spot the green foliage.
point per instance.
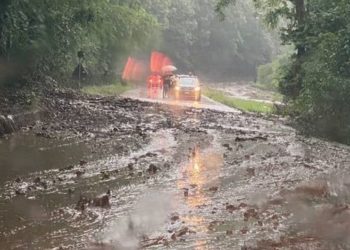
(198, 41)
(266, 76)
(43, 36)
(316, 81)
(271, 74)
(241, 104)
(324, 102)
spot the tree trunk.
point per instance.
(300, 12)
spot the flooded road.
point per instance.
(205, 103)
(25, 153)
(130, 174)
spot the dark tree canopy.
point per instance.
(316, 81)
(199, 41)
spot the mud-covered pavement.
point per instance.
(158, 176)
(156, 97)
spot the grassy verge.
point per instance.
(277, 97)
(106, 90)
(241, 104)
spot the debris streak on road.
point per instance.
(154, 175)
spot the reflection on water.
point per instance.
(199, 174)
(155, 93)
(196, 105)
(200, 245)
(188, 103)
(21, 154)
(25, 220)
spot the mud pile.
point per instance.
(165, 176)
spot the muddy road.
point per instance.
(110, 173)
(156, 97)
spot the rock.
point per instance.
(37, 180)
(251, 171)
(7, 125)
(18, 180)
(166, 243)
(102, 201)
(242, 205)
(175, 217)
(274, 217)
(70, 167)
(149, 154)
(19, 192)
(229, 232)
(79, 173)
(186, 192)
(82, 203)
(82, 163)
(227, 146)
(152, 169)
(104, 175)
(30, 188)
(43, 184)
(131, 166)
(250, 213)
(253, 138)
(213, 225)
(231, 208)
(182, 232)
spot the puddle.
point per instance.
(22, 154)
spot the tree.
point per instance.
(197, 41)
(317, 80)
(42, 37)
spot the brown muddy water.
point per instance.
(25, 153)
(25, 157)
(175, 178)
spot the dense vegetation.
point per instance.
(43, 37)
(316, 81)
(269, 75)
(197, 40)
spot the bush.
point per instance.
(324, 105)
(269, 75)
(43, 37)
